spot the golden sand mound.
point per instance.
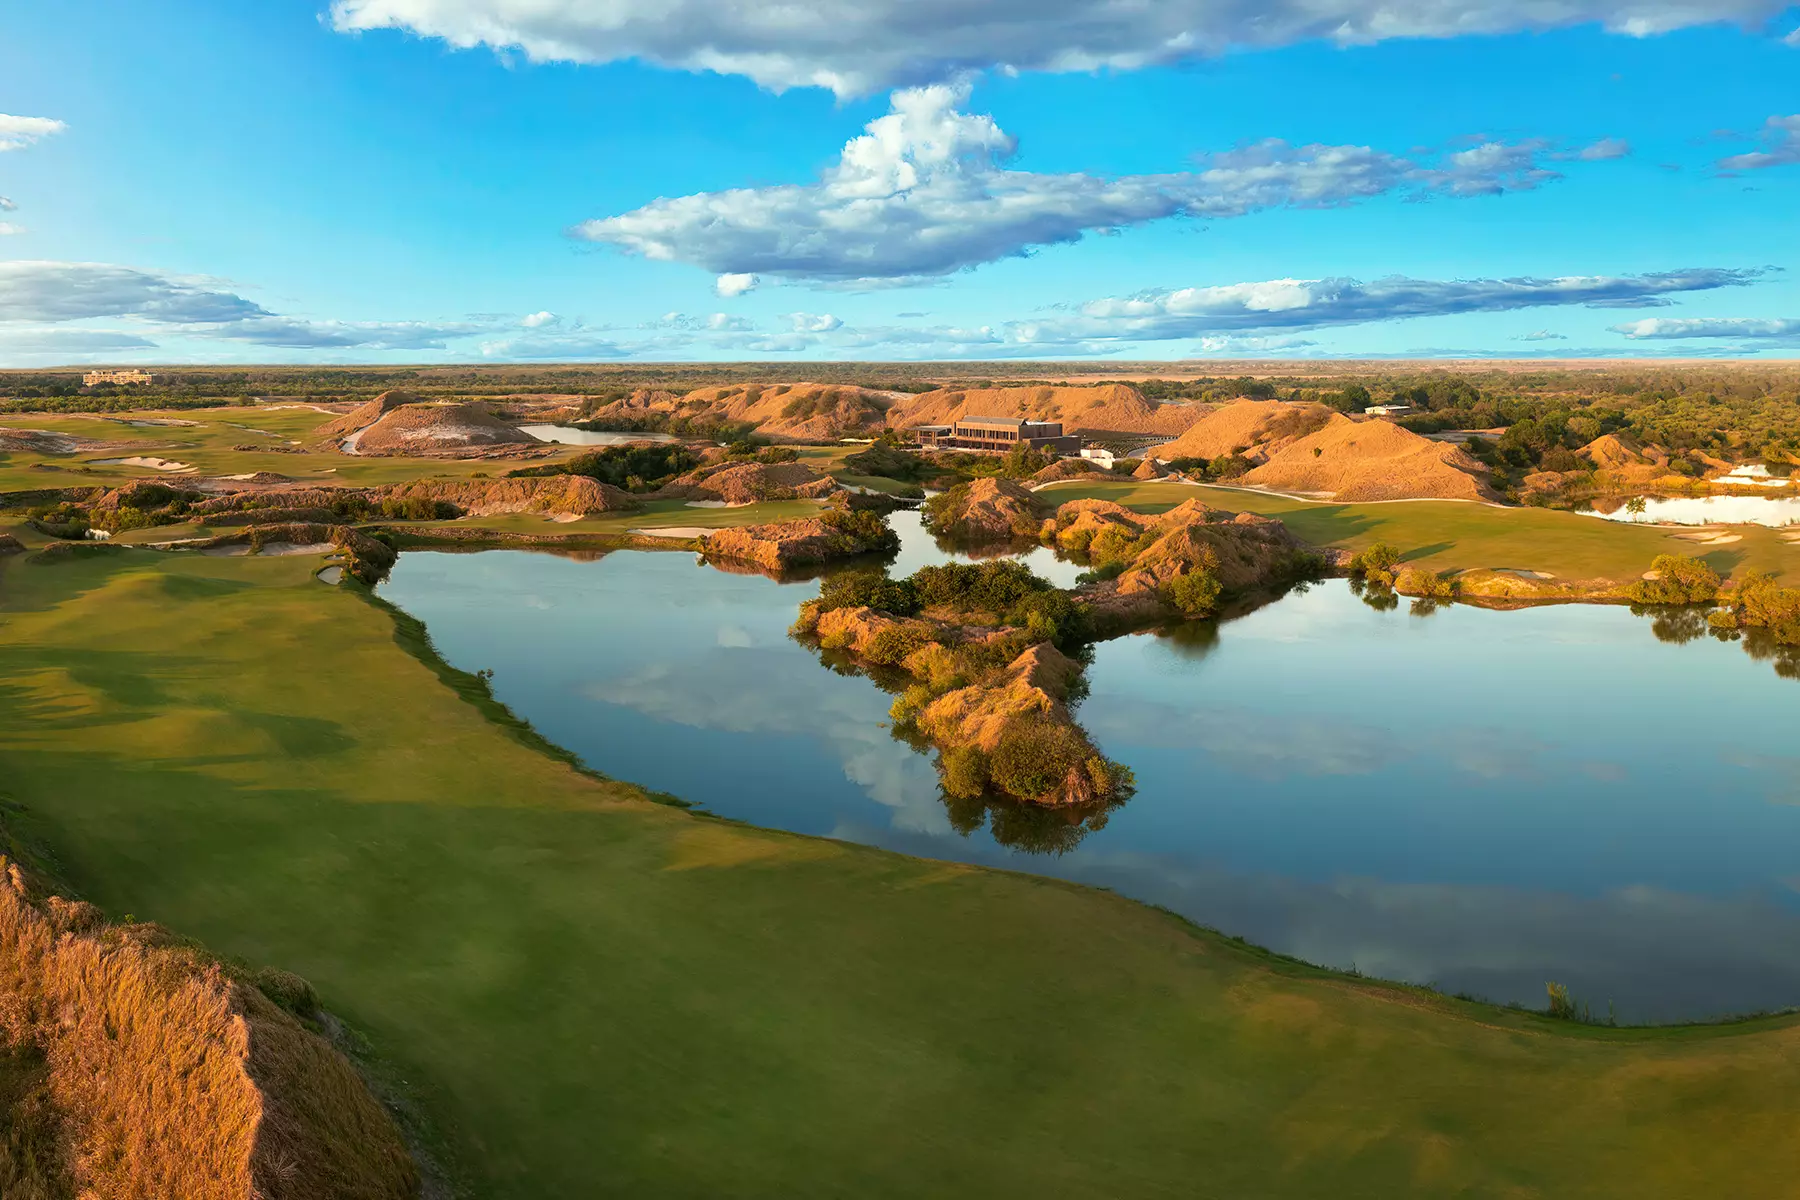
(1255, 428)
(1107, 407)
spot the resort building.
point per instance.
(997, 434)
(93, 377)
(1100, 456)
(1387, 410)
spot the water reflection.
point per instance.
(568, 435)
(1483, 800)
(1700, 510)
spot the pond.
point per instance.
(568, 435)
(1702, 510)
(1484, 801)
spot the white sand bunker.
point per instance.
(676, 531)
(331, 575)
(277, 549)
(155, 464)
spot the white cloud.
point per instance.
(1792, 39)
(1605, 149)
(729, 285)
(1710, 327)
(1541, 335)
(726, 323)
(6, 204)
(1318, 303)
(16, 133)
(66, 291)
(41, 292)
(1783, 136)
(539, 319)
(8, 229)
(814, 322)
(862, 46)
(925, 192)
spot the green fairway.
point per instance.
(1446, 535)
(595, 995)
(206, 440)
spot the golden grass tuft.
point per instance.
(164, 1077)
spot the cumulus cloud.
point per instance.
(860, 46)
(539, 319)
(1783, 137)
(925, 192)
(16, 133)
(1711, 327)
(734, 284)
(817, 322)
(1540, 335)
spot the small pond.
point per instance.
(1480, 800)
(1702, 510)
(568, 435)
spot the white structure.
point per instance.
(1098, 456)
(1387, 410)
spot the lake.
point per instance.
(568, 435)
(1705, 510)
(1480, 800)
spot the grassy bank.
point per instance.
(1446, 535)
(598, 995)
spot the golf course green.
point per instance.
(589, 993)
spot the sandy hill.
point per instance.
(1103, 408)
(161, 1074)
(1621, 453)
(747, 483)
(1253, 428)
(1372, 460)
(436, 429)
(364, 415)
(783, 412)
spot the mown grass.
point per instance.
(208, 445)
(600, 996)
(1444, 535)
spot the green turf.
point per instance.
(599, 996)
(1446, 535)
(207, 443)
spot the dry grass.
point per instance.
(166, 1078)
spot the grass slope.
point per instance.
(600, 996)
(1448, 535)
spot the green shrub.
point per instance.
(1427, 585)
(894, 645)
(1376, 557)
(965, 771)
(869, 589)
(1762, 604)
(1679, 580)
(1034, 758)
(1196, 593)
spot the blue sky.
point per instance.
(292, 182)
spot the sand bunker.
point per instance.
(270, 549)
(331, 575)
(675, 531)
(154, 464)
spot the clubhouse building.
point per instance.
(998, 434)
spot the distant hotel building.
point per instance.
(93, 377)
(997, 434)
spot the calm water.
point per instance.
(1480, 800)
(1708, 510)
(568, 435)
